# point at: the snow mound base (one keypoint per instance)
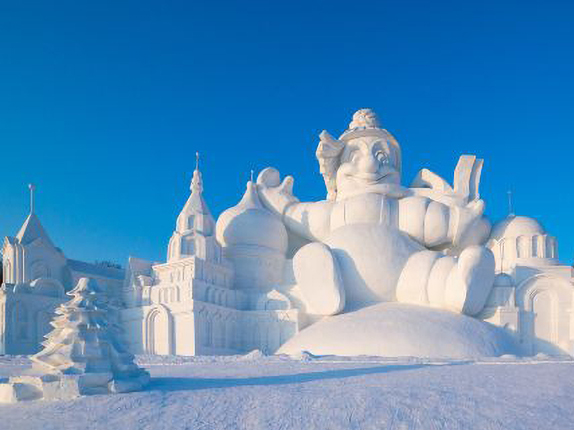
(399, 330)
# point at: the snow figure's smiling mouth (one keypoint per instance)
(369, 178)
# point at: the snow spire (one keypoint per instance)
(194, 220)
(197, 181)
(510, 206)
(32, 188)
(32, 229)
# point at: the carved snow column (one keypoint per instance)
(255, 241)
(12, 262)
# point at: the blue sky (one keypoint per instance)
(103, 105)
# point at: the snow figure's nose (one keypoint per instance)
(368, 164)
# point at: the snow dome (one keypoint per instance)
(514, 226)
(249, 223)
(520, 239)
(254, 240)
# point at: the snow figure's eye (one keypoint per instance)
(382, 156)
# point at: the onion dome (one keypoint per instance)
(249, 223)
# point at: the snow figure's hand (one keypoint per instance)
(274, 194)
(472, 228)
(475, 209)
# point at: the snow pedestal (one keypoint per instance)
(83, 355)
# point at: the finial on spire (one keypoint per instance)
(251, 177)
(510, 208)
(196, 182)
(32, 188)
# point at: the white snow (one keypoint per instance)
(397, 329)
(84, 354)
(279, 392)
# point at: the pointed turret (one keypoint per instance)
(195, 215)
(32, 229)
(193, 223)
(31, 254)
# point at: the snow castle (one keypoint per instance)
(199, 303)
(36, 275)
(376, 268)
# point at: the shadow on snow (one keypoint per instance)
(180, 384)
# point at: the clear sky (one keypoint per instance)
(103, 105)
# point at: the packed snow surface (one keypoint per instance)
(318, 392)
(399, 330)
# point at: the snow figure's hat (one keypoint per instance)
(364, 123)
(84, 354)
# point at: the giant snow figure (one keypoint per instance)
(374, 240)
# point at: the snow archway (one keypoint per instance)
(544, 318)
(159, 339)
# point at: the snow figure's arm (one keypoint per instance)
(310, 220)
(438, 215)
(438, 225)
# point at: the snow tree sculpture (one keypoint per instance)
(84, 354)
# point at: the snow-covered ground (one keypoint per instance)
(306, 392)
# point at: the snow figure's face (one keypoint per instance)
(366, 161)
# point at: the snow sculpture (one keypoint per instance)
(37, 275)
(251, 235)
(533, 293)
(374, 240)
(396, 329)
(82, 355)
(195, 304)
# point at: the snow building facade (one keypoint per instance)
(36, 277)
(533, 294)
(193, 305)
